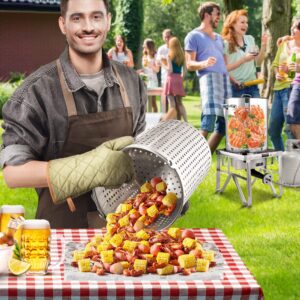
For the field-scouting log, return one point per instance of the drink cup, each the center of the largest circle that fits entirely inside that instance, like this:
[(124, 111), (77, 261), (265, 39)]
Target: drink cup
[(8, 211), (35, 246)]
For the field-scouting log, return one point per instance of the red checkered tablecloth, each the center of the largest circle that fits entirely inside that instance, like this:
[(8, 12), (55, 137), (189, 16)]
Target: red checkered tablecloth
[(237, 283)]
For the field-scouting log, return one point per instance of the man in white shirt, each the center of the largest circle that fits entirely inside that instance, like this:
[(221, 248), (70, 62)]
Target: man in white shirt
[(162, 54)]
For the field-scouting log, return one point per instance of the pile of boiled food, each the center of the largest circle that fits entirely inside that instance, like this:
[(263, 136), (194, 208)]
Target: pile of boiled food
[(129, 248)]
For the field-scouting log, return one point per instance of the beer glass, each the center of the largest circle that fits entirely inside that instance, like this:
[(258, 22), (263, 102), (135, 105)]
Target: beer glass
[(35, 246), (6, 211)]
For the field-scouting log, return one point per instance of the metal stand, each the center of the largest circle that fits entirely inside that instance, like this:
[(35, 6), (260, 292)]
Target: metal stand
[(248, 162)]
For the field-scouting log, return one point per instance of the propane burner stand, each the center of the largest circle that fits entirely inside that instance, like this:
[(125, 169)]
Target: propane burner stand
[(256, 166)]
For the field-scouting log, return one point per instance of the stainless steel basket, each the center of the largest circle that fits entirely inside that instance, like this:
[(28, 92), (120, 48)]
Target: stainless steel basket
[(172, 150)]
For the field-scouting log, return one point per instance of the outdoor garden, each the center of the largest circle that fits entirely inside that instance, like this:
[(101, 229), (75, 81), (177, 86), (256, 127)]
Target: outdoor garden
[(266, 235)]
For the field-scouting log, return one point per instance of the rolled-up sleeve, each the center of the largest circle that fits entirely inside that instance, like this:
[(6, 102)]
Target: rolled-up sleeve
[(24, 136)]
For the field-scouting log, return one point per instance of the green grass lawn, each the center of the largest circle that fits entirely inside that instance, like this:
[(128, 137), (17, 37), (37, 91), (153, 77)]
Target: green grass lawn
[(266, 236)]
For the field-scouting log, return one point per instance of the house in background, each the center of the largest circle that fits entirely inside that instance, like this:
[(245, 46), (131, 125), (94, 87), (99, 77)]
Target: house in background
[(29, 35)]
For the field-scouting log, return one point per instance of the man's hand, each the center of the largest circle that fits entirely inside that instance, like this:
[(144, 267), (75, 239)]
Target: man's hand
[(210, 62), (105, 166)]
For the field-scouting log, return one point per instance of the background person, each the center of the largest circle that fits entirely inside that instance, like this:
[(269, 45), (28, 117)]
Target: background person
[(241, 53), (121, 53), (293, 111), (162, 54), (282, 89), (204, 50), (173, 86), (150, 68), (56, 120)]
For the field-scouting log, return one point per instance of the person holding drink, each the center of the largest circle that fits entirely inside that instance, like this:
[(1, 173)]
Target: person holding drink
[(293, 111), (150, 68), (121, 53), (241, 53), (282, 91)]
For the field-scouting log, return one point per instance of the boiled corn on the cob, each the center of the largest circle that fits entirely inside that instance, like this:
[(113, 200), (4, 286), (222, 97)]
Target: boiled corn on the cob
[(116, 240), (129, 246), (152, 211), (107, 256), (189, 243), (163, 258), (167, 270), (202, 265), (140, 264), (187, 261), (174, 232), (78, 255), (142, 234), (84, 265)]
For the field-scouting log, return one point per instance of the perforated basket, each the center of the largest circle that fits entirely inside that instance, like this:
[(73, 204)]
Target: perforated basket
[(172, 150)]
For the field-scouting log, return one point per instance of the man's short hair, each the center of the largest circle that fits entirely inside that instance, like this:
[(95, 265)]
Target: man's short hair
[(168, 32), (207, 7), (64, 6)]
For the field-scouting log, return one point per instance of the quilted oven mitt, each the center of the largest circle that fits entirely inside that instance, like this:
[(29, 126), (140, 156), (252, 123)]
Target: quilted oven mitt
[(104, 166)]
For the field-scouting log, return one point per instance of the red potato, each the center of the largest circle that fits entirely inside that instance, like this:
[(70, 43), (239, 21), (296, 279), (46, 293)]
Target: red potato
[(187, 233), (116, 268), (144, 248), (196, 252), (154, 181), (154, 249)]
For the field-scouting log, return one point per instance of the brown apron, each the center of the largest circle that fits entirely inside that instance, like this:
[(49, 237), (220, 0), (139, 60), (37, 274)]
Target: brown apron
[(85, 132)]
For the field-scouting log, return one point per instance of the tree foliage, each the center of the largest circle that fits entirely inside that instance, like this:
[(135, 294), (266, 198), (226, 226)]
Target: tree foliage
[(129, 22)]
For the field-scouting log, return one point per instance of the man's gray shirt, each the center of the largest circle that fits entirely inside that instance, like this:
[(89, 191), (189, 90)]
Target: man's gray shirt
[(36, 119)]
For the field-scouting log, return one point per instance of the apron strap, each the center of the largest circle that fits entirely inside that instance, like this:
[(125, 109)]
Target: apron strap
[(68, 96), (123, 92)]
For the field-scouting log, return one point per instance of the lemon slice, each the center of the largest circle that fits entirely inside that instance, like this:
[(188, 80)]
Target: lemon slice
[(18, 267)]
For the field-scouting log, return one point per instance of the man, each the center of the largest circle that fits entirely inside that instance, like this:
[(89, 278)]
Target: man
[(162, 55), (55, 122), (205, 54)]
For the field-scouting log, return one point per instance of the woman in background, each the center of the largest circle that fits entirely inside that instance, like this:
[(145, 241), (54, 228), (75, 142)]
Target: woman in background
[(150, 68), (293, 111), (241, 53), (121, 53), (173, 86)]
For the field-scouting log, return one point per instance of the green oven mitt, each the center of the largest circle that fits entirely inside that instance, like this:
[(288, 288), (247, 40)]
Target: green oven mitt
[(105, 166)]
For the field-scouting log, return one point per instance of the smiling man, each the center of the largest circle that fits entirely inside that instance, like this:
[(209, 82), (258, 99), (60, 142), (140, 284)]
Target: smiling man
[(65, 127), (204, 50)]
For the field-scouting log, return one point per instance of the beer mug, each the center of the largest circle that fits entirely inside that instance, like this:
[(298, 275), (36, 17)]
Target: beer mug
[(35, 246), (6, 211)]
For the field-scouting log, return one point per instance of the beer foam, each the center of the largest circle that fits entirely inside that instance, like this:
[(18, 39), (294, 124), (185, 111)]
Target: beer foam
[(36, 224), (12, 209)]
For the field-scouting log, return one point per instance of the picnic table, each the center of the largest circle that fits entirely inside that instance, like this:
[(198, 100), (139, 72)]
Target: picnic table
[(237, 281)]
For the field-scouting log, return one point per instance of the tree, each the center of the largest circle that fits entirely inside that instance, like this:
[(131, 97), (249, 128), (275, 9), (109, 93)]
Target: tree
[(129, 22), (276, 22), (230, 5)]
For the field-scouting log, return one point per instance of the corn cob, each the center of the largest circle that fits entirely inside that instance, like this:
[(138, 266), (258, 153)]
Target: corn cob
[(199, 246), (187, 261), (97, 239), (170, 199), (209, 255), (107, 237), (89, 247), (116, 240), (124, 221), (174, 232), (142, 234), (126, 207), (125, 264), (78, 255), (132, 211), (152, 211), (111, 218), (202, 265), (140, 264), (107, 256), (189, 243), (142, 219), (148, 256), (103, 246), (129, 246), (163, 258), (146, 243), (167, 270), (84, 265)]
